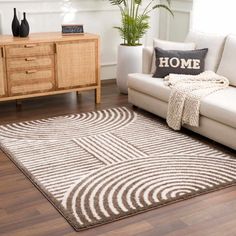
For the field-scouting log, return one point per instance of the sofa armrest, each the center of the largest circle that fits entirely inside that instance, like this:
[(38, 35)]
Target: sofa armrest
[(147, 59)]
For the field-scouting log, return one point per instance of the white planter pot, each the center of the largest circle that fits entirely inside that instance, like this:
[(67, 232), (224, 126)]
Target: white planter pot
[(129, 61)]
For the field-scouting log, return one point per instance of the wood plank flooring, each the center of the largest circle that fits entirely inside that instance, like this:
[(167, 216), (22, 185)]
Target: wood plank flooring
[(25, 212)]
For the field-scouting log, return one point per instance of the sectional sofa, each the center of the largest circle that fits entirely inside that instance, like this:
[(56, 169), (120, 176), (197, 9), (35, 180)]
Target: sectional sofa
[(217, 111)]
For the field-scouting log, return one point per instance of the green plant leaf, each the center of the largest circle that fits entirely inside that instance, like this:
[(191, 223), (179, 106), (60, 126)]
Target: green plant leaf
[(116, 2), (163, 6), (139, 2), (135, 22)]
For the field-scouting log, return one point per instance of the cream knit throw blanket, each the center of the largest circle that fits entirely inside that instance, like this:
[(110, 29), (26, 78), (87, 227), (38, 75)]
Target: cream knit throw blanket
[(186, 94)]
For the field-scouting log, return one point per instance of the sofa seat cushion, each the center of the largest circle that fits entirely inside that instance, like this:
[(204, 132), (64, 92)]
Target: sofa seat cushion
[(154, 87), (219, 106)]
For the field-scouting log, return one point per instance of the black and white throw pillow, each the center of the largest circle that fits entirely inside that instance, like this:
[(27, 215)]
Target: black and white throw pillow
[(191, 62)]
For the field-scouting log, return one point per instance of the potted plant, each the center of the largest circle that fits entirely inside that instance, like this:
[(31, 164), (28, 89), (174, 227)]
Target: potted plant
[(134, 25)]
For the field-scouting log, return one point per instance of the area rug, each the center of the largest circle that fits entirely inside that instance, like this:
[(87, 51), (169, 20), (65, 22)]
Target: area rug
[(102, 166)]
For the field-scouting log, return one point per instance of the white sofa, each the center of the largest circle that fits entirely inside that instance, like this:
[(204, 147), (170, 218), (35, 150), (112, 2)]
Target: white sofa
[(218, 110)]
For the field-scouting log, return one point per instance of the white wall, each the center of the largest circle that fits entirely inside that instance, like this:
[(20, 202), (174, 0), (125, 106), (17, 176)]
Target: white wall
[(98, 16), (215, 17), (176, 28)]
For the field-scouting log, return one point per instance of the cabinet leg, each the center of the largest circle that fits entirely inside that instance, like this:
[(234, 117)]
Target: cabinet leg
[(79, 95), (98, 95), (18, 104)]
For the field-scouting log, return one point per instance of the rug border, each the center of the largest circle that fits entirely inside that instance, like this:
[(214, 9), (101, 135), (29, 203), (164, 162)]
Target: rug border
[(57, 205)]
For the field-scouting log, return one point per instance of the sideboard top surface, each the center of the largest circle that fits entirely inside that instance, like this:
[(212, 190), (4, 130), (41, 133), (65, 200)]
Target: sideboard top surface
[(44, 37)]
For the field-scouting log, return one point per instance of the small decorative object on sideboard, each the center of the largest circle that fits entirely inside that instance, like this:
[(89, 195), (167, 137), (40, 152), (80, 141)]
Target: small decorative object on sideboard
[(15, 26), (24, 27), (72, 29), (26, 22)]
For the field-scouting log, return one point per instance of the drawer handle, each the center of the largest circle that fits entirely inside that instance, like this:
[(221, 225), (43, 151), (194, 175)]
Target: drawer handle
[(30, 59), (31, 71), (30, 45)]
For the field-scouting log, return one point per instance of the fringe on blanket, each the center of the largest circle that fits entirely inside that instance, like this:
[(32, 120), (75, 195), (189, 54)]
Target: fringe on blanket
[(186, 94)]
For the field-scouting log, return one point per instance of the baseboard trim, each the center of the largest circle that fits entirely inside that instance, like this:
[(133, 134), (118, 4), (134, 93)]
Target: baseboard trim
[(108, 81)]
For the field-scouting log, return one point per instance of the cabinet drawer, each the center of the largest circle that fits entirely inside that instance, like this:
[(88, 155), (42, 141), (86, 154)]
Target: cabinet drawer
[(30, 50), (31, 81), (31, 88), (30, 62)]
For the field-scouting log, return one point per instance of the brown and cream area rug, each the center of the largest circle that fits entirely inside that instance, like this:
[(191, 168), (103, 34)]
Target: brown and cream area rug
[(102, 166)]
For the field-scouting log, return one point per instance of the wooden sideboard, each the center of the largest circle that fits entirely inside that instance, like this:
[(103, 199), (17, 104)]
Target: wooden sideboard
[(49, 63)]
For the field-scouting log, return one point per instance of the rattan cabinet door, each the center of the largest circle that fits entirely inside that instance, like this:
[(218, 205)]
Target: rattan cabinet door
[(2, 74), (76, 63)]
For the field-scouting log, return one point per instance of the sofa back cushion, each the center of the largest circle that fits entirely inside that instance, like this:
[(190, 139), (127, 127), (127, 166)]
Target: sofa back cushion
[(215, 45), (228, 61), (168, 45)]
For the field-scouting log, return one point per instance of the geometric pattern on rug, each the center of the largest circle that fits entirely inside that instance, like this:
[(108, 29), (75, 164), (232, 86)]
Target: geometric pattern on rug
[(102, 166)]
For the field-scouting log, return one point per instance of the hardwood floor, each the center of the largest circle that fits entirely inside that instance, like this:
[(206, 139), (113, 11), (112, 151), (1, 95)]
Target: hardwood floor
[(25, 212)]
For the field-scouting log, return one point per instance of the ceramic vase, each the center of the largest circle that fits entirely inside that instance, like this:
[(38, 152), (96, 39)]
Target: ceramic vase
[(129, 61), (24, 27), (26, 22), (15, 26)]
